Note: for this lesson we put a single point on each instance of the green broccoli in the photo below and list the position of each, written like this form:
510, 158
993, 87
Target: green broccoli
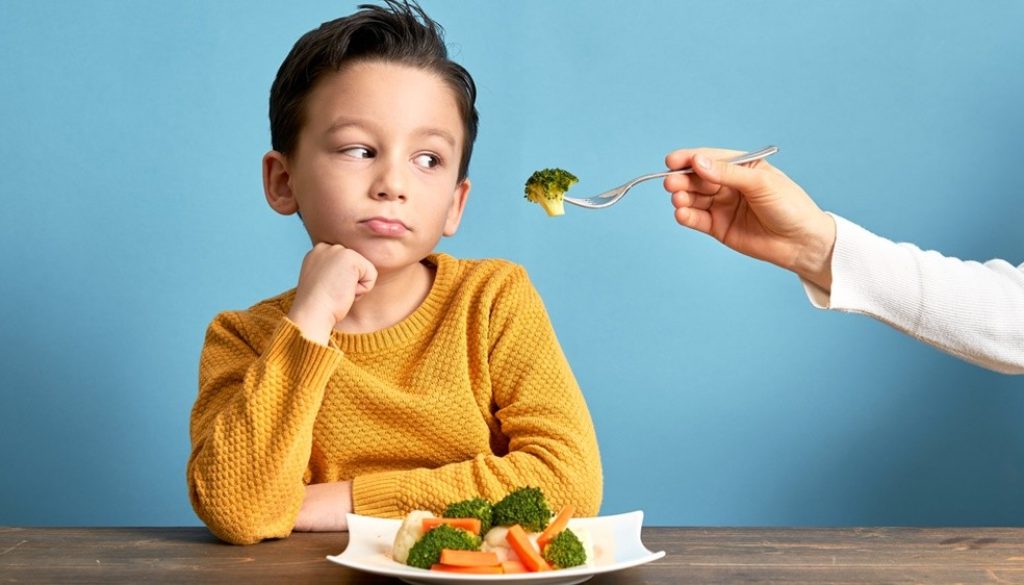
478, 508
427, 550
524, 506
548, 188
565, 550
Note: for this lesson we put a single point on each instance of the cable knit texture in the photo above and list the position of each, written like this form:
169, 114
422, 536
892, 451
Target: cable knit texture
469, 395
972, 310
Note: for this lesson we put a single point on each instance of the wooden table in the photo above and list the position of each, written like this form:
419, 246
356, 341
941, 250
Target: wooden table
695, 555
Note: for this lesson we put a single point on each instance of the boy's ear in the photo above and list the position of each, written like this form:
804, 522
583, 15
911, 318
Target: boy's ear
275, 183
459, 198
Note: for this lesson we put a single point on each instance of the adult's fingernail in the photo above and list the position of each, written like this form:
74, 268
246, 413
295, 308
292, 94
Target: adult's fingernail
702, 161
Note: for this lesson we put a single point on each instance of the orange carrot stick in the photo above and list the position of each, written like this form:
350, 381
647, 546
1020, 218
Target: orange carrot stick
557, 526
528, 555
467, 524
468, 558
492, 570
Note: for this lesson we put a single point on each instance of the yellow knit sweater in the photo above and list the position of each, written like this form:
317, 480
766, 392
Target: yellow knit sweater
469, 395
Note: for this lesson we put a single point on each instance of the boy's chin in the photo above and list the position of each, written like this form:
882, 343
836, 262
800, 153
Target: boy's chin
390, 261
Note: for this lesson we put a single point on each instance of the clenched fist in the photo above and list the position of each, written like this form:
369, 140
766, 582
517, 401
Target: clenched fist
331, 279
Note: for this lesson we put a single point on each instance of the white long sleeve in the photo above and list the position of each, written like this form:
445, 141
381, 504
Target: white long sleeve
969, 309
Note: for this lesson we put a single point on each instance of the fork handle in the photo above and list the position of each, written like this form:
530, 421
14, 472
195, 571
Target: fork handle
736, 160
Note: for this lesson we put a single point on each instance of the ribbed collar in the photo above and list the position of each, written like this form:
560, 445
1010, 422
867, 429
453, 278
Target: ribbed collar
424, 318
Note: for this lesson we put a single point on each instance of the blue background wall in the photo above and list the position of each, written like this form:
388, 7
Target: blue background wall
132, 212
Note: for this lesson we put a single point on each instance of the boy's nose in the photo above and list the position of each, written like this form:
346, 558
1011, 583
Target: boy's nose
388, 195
390, 184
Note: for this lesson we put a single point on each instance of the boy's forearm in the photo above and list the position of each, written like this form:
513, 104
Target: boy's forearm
549, 435
564, 477
252, 434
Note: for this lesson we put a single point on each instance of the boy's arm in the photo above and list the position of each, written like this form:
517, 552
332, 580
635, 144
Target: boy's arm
551, 439
252, 427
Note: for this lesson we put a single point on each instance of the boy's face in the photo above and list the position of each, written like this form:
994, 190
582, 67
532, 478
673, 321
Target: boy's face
376, 165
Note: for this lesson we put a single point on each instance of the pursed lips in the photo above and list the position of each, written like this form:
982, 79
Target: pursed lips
386, 226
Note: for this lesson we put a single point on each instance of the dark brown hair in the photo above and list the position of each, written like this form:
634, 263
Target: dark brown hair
399, 32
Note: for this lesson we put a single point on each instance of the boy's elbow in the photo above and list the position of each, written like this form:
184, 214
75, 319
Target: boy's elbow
241, 529
234, 534
236, 523
245, 535
589, 492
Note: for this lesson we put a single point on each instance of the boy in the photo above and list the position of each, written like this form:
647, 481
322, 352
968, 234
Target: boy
391, 378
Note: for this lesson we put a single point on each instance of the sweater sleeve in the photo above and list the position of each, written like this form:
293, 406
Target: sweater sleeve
551, 441
969, 309
252, 427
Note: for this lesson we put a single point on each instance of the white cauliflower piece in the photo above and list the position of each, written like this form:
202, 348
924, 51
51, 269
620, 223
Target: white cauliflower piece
494, 541
407, 535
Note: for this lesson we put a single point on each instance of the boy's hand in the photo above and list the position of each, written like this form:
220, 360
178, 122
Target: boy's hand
756, 210
325, 507
331, 279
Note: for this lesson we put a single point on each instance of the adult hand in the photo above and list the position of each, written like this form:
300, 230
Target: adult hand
755, 209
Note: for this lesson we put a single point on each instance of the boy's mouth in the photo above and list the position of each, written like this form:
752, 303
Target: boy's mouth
384, 226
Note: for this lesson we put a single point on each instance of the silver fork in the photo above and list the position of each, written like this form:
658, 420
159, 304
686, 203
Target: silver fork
609, 198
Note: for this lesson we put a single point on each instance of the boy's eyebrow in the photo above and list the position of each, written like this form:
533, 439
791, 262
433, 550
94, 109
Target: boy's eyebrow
425, 131
340, 125
440, 133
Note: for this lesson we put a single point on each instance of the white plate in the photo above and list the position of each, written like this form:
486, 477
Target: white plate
616, 538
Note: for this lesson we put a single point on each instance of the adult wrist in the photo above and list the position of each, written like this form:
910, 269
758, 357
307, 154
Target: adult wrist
814, 261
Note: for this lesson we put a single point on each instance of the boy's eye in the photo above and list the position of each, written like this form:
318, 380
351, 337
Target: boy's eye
427, 161
357, 152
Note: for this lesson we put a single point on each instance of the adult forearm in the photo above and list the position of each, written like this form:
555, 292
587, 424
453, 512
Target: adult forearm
969, 309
